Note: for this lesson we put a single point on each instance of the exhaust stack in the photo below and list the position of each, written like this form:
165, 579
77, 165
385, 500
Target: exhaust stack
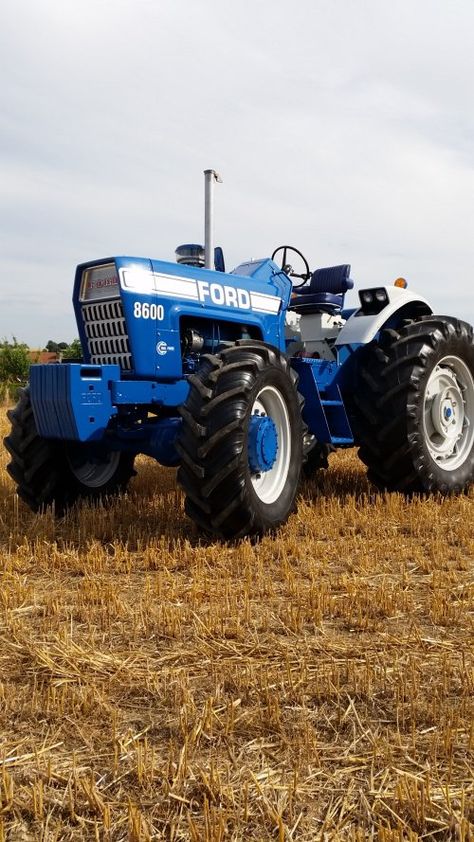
210, 177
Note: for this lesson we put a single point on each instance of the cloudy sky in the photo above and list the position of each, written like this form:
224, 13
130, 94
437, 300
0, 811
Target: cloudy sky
345, 127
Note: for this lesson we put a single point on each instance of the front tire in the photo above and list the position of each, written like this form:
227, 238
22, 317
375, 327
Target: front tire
49, 472
243, 408
415, 407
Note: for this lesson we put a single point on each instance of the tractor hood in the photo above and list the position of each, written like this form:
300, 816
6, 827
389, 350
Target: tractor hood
129, 310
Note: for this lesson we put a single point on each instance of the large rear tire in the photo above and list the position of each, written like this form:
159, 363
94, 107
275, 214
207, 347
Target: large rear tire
415, 407
58, 473
227, 493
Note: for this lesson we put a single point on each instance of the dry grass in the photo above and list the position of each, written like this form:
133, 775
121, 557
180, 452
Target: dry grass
318, 685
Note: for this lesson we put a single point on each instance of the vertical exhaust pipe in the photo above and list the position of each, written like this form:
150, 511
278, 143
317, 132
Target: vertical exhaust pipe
210, 177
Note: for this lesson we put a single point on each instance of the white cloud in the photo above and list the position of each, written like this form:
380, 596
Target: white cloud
344, 127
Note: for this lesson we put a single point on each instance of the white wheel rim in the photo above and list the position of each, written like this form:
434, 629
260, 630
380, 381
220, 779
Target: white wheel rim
94, 473
448, 413
269, 485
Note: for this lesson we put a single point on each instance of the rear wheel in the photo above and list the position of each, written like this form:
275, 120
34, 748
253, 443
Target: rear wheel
241, 441
51, 472
416, 407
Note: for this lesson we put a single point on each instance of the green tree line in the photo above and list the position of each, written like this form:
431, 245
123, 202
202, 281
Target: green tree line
16, 358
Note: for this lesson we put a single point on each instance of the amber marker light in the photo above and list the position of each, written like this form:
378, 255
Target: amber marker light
400, 282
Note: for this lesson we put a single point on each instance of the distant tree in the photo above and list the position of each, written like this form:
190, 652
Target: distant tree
55, 347
15, 361
14, 368
73, 351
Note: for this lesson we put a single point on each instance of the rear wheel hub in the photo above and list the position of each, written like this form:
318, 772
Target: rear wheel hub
448, 407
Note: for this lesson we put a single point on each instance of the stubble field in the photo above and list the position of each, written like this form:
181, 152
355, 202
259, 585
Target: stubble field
317, 685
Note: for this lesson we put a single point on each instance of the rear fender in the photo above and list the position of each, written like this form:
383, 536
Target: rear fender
402, 304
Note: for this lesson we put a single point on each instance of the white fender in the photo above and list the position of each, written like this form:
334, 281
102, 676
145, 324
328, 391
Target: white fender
360, 329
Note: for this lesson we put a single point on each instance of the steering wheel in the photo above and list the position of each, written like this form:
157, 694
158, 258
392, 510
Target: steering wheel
288, 269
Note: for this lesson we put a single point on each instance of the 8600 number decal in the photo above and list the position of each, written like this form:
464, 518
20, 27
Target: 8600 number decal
148, 311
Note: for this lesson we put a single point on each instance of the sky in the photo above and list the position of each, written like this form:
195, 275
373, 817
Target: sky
343, 127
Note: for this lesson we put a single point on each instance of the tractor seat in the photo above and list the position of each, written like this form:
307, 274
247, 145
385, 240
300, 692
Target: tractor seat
325, 291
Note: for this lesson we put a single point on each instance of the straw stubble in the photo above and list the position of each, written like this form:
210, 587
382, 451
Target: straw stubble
315, 685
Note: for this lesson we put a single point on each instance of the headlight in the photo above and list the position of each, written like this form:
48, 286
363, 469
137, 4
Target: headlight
366, 296
373, 300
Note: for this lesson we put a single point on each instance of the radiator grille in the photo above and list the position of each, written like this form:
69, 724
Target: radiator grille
106, 332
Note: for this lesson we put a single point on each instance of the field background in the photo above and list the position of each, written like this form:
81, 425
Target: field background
317, 685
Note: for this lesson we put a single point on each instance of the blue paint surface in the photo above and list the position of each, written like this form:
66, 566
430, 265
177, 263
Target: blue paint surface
158, 304
262, 444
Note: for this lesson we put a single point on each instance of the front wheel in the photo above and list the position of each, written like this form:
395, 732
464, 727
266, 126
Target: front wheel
241, 441
49, 472
416, 407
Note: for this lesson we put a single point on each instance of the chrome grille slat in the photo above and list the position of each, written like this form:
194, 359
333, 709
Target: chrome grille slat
106, 332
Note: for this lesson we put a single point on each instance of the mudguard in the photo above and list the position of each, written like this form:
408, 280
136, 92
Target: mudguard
360, 329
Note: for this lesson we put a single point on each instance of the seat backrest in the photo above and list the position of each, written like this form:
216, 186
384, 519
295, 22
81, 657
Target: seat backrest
333, 279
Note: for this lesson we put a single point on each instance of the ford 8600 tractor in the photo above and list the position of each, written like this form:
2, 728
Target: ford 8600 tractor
241, 379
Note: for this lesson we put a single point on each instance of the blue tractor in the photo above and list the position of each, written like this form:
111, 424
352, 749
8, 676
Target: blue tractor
243, 379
